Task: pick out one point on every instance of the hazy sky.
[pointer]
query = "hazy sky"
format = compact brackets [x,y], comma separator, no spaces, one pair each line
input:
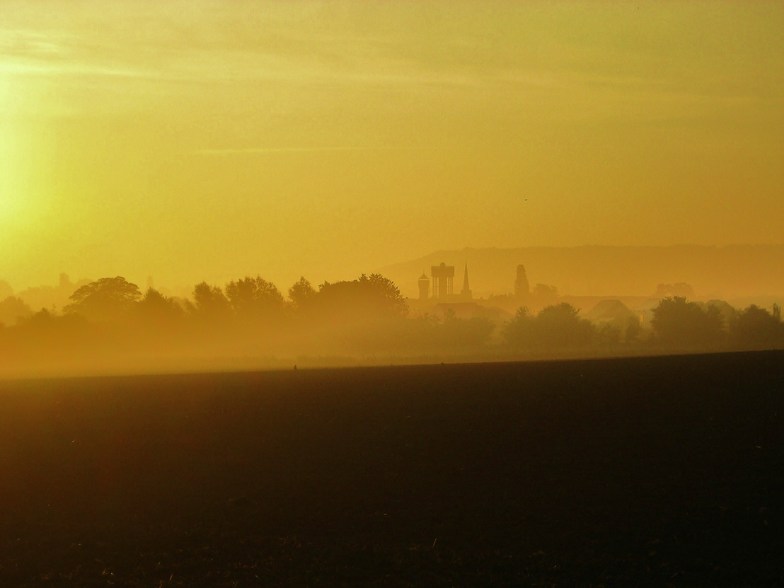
[210,140]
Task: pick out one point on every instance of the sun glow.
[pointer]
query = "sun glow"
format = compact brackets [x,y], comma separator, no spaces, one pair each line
[12,199]
[12,158]
[206,141]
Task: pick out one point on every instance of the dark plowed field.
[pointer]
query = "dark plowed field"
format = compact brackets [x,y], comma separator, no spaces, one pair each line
[616,472]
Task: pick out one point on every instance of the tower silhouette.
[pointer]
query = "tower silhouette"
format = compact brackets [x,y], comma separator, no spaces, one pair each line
[522,289]
[466,291]
[443,277]
[424,287]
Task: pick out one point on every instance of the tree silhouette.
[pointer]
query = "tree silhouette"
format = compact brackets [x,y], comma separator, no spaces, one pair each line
[519,332]
[384,293]
[157,309]
[210,303]
[560,326]
[12,309]
[367,315]
[557,326]
[106,299]
[254,297]
[757,328]
[301,293]
[633,330]
[678,322]
[368,297]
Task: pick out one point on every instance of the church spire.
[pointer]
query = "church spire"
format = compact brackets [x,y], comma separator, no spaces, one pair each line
[466,293]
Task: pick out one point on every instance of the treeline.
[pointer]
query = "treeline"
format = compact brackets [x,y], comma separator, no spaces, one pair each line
[111,322]
[676,324]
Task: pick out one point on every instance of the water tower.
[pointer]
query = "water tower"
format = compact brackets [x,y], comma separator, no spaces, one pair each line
[424,287]
[443,277]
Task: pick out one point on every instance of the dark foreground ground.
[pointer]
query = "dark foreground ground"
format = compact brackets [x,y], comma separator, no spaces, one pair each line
[614,472]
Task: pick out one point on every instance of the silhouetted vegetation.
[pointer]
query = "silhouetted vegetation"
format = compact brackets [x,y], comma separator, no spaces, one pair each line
[107,299]
[254,299]
[756,328]
[109,322]
[555,327]
[678,322]
[12,310]
[369,297]
[157,309]
[210,303]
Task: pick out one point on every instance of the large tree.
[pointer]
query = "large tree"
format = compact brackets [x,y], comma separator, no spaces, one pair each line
[555,327]
[12,309]
[758,329]
[519,331]
[106,299]
[155,308]
[301,293]
[680,323]
[210,303]
[561,326]
[254,297]
[372,296]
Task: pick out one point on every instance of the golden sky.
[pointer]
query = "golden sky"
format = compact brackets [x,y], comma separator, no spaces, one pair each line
[209,140]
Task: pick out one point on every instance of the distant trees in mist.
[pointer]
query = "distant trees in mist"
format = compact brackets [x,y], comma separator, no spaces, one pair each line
[106,299]
[557,326]
[251,317]
[755,327]
[13,309]
[679,322]
[254,299]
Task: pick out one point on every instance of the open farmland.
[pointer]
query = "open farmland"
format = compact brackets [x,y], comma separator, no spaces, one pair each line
[645,471]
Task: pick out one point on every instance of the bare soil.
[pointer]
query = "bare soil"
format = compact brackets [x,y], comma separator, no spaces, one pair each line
[645,471]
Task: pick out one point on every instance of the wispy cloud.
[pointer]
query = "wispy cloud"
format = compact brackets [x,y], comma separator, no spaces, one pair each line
[55,54]
[315,149]
[31,44]
[278,57]
[72,69]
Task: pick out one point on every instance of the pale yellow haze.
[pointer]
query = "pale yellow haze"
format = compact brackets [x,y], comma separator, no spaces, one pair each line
[210,140]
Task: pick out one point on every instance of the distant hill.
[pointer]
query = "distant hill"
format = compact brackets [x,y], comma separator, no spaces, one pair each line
[733,271]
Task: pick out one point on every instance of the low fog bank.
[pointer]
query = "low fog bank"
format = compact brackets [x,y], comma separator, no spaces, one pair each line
[110,327]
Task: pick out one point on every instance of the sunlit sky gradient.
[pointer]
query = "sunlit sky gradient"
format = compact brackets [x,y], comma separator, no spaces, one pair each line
[209,140]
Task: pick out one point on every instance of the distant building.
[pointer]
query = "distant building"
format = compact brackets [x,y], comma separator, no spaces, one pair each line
[465,293]
[424,287]
[522,288]
[443,278]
